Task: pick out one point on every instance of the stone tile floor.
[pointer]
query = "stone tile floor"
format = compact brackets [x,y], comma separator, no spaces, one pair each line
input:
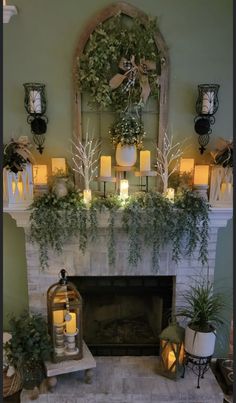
[131,380]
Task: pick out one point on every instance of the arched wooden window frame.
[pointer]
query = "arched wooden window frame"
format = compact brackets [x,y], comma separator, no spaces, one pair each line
[133,12]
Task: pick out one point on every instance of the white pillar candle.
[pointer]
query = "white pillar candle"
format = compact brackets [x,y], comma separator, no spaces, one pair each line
[105,166]
[208,102]
[58,164]
[145,161]
[124,189]
[71,324]
[58,317]
[170,194]
[186,165]
[35,102]
[87,196]
[201,174]
[40,174]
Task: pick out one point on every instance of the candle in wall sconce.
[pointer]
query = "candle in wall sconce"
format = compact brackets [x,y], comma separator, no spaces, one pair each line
[58,166]
[124,189]
[208,103]
[4,2]
[35,102]
[170,194]
[87,196]
[105,166]
[145,161]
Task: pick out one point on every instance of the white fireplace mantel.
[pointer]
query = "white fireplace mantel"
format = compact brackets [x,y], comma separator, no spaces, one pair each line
[95,262]
[219,217]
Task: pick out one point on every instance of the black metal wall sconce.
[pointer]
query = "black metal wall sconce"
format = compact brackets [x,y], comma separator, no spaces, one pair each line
[206,106]
[35,105]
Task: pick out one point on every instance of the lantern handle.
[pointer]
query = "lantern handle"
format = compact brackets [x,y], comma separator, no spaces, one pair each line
[63,277]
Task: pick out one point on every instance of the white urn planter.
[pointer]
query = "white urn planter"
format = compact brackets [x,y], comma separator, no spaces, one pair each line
[60,187]
[126,155]
[200,344]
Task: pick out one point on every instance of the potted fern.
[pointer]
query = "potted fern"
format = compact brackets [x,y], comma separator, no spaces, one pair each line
[203,311]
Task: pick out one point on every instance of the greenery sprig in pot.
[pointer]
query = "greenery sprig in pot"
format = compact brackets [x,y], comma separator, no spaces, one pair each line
[127,134]
[29,347]
[203,310]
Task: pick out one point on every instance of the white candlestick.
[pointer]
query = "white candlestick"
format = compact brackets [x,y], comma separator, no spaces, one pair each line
[208,103]
[124,189]
[105,166]
[35,102]
[145,161]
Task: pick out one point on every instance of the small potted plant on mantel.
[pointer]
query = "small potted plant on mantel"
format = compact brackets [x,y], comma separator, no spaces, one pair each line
[203,310]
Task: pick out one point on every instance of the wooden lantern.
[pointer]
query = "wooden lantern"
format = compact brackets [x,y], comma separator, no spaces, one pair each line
[65,320]
[172,351]
[18,188]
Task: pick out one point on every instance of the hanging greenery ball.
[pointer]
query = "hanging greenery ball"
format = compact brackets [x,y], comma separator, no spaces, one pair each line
[127,129]
[120,64]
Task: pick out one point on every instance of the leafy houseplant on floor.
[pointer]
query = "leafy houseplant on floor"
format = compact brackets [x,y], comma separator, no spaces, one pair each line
[28,348]
[203,309]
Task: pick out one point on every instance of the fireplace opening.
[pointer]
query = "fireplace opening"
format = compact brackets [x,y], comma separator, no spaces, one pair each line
[124,315]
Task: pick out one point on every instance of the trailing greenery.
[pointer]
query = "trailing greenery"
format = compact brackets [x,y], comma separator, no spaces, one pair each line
[149,219]
[127,129]
[113,39]
[203,307]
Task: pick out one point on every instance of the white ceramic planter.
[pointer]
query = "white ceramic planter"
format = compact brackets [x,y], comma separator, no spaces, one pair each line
[60,187]
[198,343]
[126,155]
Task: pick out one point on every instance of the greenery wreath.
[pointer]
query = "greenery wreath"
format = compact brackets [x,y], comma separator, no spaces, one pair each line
[120,64]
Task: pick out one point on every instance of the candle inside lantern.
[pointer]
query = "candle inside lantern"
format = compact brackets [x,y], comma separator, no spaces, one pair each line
[87,196]
[145,161]
[40,173]
[170,194]
[105,166]
[186,165]
[124,189]
[58,165]
[58,317]
[35,102]
[71,324]
[207,103]
[201,174]
[171,360]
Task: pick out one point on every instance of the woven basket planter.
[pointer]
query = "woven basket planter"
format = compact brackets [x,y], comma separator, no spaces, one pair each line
[11,384]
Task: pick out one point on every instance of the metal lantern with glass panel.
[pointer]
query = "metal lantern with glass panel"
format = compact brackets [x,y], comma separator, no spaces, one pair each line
[172,351]
[65,319]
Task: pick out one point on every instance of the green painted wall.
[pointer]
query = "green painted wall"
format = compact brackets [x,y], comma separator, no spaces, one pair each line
[39,44]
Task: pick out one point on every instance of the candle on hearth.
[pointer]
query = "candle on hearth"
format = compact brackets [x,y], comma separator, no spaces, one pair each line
[208,103]
[170,194]
[105,166]
[186,165]
[124,189]
[71,324]
[35,102]
[58,317]
[145,161]
[58,165]
[40,173]
[171,360]
[201,174]
[87,196]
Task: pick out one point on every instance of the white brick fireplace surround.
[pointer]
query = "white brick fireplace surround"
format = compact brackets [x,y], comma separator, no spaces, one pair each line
[95,260]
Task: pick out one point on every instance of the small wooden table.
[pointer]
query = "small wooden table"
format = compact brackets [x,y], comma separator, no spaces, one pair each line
[86,364]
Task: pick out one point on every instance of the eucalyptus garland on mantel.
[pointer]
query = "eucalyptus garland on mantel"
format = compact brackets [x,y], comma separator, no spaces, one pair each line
[149,219]
[120,65]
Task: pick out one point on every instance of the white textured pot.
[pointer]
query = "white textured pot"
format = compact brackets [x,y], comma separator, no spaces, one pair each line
[199,343]
[60,187]
[126,155]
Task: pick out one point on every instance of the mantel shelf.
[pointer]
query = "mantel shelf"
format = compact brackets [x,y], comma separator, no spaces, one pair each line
[219,216]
